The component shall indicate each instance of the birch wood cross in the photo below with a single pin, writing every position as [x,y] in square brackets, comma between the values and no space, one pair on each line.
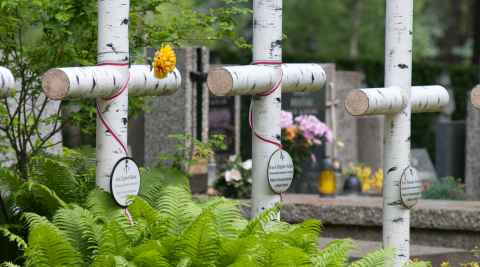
[7,82]
[397,100]
[265,79]
[111,82]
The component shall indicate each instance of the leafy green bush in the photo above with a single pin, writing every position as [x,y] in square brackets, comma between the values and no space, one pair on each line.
[445,188]
[170,229]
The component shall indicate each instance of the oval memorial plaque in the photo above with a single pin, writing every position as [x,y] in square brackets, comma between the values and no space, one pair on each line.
[124,181]
[280,171]
[410,187]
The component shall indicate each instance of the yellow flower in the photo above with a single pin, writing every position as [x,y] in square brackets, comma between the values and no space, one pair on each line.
[164,62]
[445,264]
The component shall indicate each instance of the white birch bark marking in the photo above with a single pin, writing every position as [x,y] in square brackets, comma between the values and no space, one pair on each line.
[377,101]
[267,47]
[7,82]
[398,64]
[113,20]
[256,79]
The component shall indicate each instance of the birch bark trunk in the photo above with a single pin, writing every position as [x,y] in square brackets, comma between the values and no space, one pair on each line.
[113,49]
[398,73]
[267,47]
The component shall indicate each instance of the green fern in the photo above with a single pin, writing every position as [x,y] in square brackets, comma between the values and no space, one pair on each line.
[257,224]
[9,264]
[57,175]
[335,254]
[48,247]
[200,241]
[81,229]
[374,259]
[13,238]
[33,197]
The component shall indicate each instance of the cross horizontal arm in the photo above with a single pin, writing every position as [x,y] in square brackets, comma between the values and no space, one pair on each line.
[7,81]
[103,81]
[378,101]
[256,79]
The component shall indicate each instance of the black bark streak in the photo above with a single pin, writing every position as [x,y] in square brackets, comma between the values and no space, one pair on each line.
[392,169]
[403,66]
[397,220]
[78,79]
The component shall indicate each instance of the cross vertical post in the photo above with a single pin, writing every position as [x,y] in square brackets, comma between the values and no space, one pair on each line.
[265,80]
[401,187]
[267,49]
[112,112]
[110,82]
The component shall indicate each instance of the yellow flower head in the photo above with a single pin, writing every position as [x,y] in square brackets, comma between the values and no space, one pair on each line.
[164,61]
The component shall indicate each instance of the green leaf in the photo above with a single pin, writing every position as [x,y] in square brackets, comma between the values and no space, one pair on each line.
[48,247]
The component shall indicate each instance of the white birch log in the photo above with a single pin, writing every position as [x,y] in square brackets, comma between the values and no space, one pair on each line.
[267,47]
[82,82]
[379,101]
[7,82]
[113,48]
[104,81]
[398,73]
[429,98]
[143,82]
[256,79]
[475,96]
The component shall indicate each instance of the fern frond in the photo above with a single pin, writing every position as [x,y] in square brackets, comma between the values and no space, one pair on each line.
[185,262]
[305,236]
[13,238]
[154,180]
[38,198]
[47,247]
[257,224]
[114,240]
[200,241]
[9,264]
[150,258]
[335,254]
[55,174]
[228,217]
[177,210]
[289,257]
[33,219]
[81,229]
[375,259]
[140,209]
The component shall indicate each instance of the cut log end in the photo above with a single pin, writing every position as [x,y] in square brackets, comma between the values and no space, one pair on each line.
[220,82]
[356,103]
[55,84]
[475,97]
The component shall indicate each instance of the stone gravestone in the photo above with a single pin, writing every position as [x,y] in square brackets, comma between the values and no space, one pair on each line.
[472,157]
[450,140]
[224,118]
[175,114]
[420,160]
[312,103]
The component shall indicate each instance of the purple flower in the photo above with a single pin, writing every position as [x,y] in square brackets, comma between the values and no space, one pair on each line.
[313,129]
[286,119]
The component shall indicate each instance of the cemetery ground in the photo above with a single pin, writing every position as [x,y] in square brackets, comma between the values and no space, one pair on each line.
[148,154]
